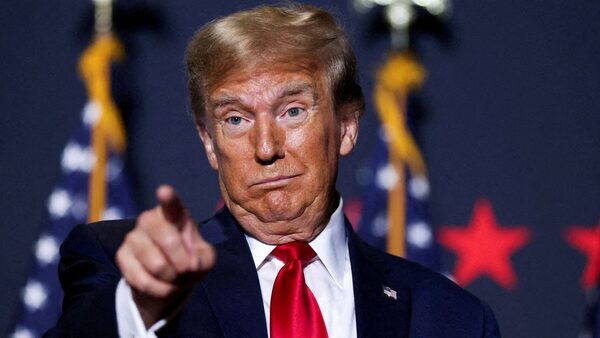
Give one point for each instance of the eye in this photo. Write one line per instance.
(293, 112)
(235, 124)
(294, 116)
(235, 120)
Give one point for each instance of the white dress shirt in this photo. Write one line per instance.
(329, 277)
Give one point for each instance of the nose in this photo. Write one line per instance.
(269, 139)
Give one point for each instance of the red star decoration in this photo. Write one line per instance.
(587, 240)
(483, 247)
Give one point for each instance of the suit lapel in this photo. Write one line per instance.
(377, 314)
(232, 288)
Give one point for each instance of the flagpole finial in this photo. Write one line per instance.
(400, 14)
(103, 19)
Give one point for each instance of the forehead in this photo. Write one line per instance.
(269, 81)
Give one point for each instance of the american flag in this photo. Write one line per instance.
(390, 293)
(398, 171)
(68, 205)
(420, 243)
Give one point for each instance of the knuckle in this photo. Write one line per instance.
(134, 242)
(147, 286)
(155, 264)
(169, 241)
(139, 282)
(194, 265)
(205, 257)
(145, 218)
(181, 266)
(130, 238)
(124, 258)
(210, 260)
(164, 292)
(120, 257)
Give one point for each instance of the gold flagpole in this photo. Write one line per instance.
(108, 132)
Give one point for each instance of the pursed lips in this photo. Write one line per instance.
(274, 181)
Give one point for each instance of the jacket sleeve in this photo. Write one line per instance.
(89, 277)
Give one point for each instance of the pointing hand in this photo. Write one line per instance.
(163, 257)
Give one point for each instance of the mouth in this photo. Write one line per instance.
(274, 182)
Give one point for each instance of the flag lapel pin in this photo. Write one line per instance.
(390, 293)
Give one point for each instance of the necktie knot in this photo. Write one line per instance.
(294, 251)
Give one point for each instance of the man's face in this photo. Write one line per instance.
(274, 137)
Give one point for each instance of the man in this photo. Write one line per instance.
(276, 102)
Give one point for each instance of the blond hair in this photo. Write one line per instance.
(291, 33)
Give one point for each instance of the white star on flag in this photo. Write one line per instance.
(387, 177)
(46, 249)
(22, 333)
(419, 234)
(78, 158)
(91, 113)
(34, 295)
(59, 203)
(419, 187)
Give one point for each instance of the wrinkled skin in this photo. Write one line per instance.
(274, 138)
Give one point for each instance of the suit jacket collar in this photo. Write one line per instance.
(232, 287)
(377, 314)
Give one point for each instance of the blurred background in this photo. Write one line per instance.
(507, 121)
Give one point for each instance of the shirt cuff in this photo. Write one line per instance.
(129, 319)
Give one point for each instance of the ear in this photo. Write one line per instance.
(209, 145)
(348, 131)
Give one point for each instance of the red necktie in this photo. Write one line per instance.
(294, 309)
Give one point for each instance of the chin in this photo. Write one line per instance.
(278, 214)
(278, 206)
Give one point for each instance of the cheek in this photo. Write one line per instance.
(235, 160)
(316, 146)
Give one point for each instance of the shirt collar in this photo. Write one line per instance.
(330, 245)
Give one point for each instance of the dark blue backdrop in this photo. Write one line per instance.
(511, 112)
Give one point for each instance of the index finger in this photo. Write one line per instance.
(171, 205)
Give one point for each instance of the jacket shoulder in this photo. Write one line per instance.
(89, 276)
(438, 305)
(104, 235)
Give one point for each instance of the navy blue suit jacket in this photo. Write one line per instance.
(228, 302)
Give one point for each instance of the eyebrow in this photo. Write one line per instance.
(298, 88)
(225, 100)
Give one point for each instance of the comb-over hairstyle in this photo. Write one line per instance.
(266, 35)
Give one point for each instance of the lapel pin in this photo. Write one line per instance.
(389, 292)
